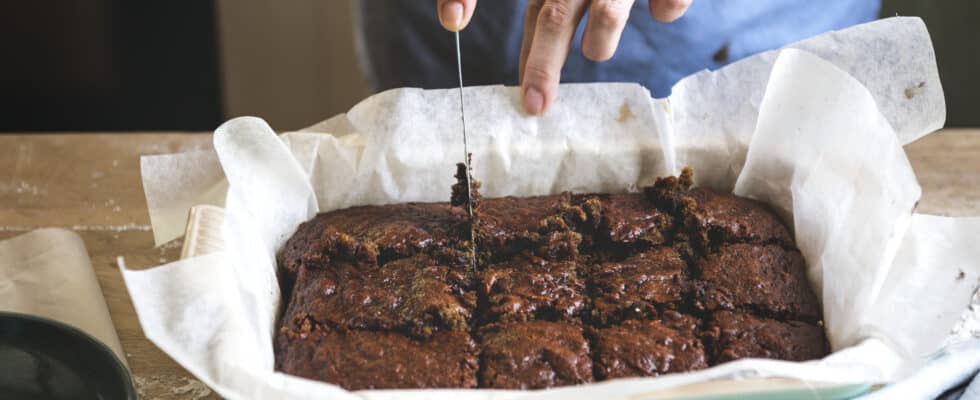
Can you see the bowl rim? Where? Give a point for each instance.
(118, 367)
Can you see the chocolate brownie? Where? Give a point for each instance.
(527, 288)
(414, 295)
(631, 218)
(298, 246)
(719, 218)
(567, 289)
(713, 218)
(397, 230)
(648, 348)
(317, 245)
(736, 335)
(358, 360)
(635, 287)
(762, 278)
(533, 355)
(507, 226)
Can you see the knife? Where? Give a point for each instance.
(466, 159)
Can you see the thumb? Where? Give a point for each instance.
(454, 15)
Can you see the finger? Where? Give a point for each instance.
(607, 18)
(530, 21)
(668, 10)
(454, 15)
(553, 34)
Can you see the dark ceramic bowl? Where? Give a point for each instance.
(45, 359)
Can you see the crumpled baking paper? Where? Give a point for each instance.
(816, 130)
(47, 272)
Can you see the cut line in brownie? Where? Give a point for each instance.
(734, 335)
(413, 295)
(648, 348)
(507, 226)
(359, 360)
(530, 287)
(712, 219)
(638, 286)
(766, 279)
(533, 355)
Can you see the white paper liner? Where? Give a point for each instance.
(708, 119)
(820, 147)
(173, 183)
(715, 112)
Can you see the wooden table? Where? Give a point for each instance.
(90, 183)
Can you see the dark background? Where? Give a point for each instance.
(110, 65)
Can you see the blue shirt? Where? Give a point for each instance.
(403, 44)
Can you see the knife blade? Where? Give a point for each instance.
(466, 158)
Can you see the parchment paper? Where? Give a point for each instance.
(173, 183)
(816, 143)
(714, 113)
(48, 273)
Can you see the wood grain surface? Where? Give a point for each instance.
(90, 183)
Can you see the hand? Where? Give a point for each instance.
(455, 14)
(549, 26)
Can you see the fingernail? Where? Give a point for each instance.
(452, 13)
(533, 101)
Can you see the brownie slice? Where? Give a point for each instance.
(533, 355)
(648, 348)
(317, 245)
(631, 218)
(763, 278)
(528, 288)
(397, 230)
(507, 226)
(290, 257)
(635, 287)
(413, 295)
(736, 335)
(713, 218)
(358, 360)
(718, 218)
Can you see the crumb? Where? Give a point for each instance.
(625, 113)
(914, 90)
